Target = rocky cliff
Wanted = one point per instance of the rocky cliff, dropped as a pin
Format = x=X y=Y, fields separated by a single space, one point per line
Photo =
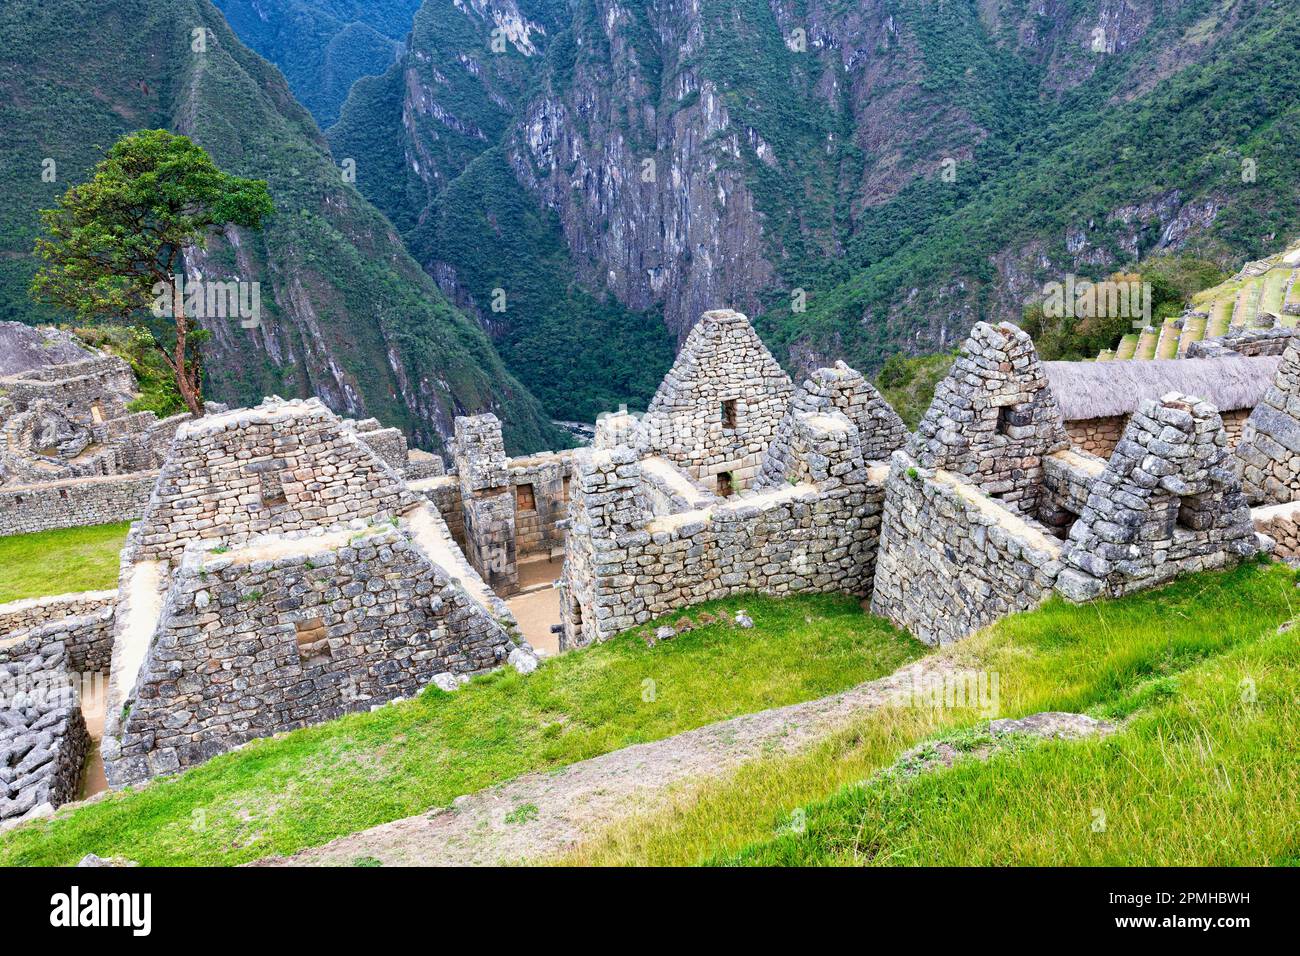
x=867 y=176
x=346 y=313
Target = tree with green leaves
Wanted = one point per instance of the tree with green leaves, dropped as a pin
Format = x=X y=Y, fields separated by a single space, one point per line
x=114 y=244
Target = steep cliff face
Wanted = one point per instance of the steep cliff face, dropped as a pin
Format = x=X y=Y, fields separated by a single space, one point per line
x=346 y=313
x=866 y=177
x=323 y=46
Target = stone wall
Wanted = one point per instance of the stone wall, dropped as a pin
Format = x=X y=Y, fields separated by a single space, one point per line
x=278 y=468
x=1167 y=503
x=720 y=405
x=89 y=391
x=844 y=390
x=1099 y=436
x=74 y=503
x=290 y=632
x=540 y=486
x=1282 y=524
x=993 y=418
x=952 y=559
x=625 y=565
x=83 y=622
x=487 y=501
x=43 y=738
x=1267 y=457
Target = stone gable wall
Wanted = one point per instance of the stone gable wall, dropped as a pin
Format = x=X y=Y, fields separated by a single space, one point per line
x=1167 y=503
x=1267 y=456
x=278 y=468
x=722 y=360
x=993 y=418
x=846 y=391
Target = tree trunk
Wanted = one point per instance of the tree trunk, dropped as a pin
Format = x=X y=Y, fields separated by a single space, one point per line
x=187 y=379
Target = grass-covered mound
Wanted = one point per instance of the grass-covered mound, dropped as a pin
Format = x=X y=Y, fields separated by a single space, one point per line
x=1202 y=771
x=302 y=789
x=60 y=561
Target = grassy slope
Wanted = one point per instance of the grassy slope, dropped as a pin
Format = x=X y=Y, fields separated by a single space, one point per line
x=1198 y=775
x=304 y=788
x=58 y=562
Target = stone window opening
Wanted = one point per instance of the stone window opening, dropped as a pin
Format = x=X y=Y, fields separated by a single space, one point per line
x=726 y=487
x=729 y=414
x=525 y=497
x=1189 y=515
x=272 y=490
x=313 y=644
x=1012 y=417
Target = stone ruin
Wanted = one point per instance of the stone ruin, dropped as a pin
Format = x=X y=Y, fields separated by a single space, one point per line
x=720 y=405
x=286 y=571
x=282 y=574
x=988 y=511
x=648 y=531
x=1167 y=503
x=1268 y=454
x=72 y=421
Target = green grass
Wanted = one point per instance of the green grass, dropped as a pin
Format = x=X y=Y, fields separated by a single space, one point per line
x=1199 y=774
x=57 y=562
x=305 y=788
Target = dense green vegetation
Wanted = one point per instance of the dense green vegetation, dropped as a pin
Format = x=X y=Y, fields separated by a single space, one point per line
x=578 y=354
x=60 y=561
x=1201 y=772
x=343 y=306
x=1069 y=163
x=323 y=46
x=307 y=787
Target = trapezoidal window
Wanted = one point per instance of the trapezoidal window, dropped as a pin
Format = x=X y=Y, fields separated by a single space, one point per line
x=726 y=488
x=525 y=498
x=1013 y=416
x=729 y=414
x=271 y=490
x=313 y=645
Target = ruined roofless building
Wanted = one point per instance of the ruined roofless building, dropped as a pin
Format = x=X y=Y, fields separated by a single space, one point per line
x=647 y=533
x=282 y=574
x=719 y=406
x=988 y=511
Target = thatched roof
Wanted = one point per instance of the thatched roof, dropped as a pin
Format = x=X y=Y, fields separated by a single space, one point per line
x=1102 y=389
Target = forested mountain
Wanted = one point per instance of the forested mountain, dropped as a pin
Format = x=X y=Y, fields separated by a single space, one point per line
x=347 y=314
x=323 y=46
x=910 y=165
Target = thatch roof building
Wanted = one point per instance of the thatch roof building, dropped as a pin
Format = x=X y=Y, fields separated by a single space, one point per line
x=1089 y=390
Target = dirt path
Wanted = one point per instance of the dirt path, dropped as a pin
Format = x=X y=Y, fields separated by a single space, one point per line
x=543 y=814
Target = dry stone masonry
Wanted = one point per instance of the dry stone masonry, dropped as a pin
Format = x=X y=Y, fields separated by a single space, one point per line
x=288 y=566
x=1268 y=454
x=720 y=405
x=1166 y=503
x=282 y=574
x=978 y=503
x=43 y=738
